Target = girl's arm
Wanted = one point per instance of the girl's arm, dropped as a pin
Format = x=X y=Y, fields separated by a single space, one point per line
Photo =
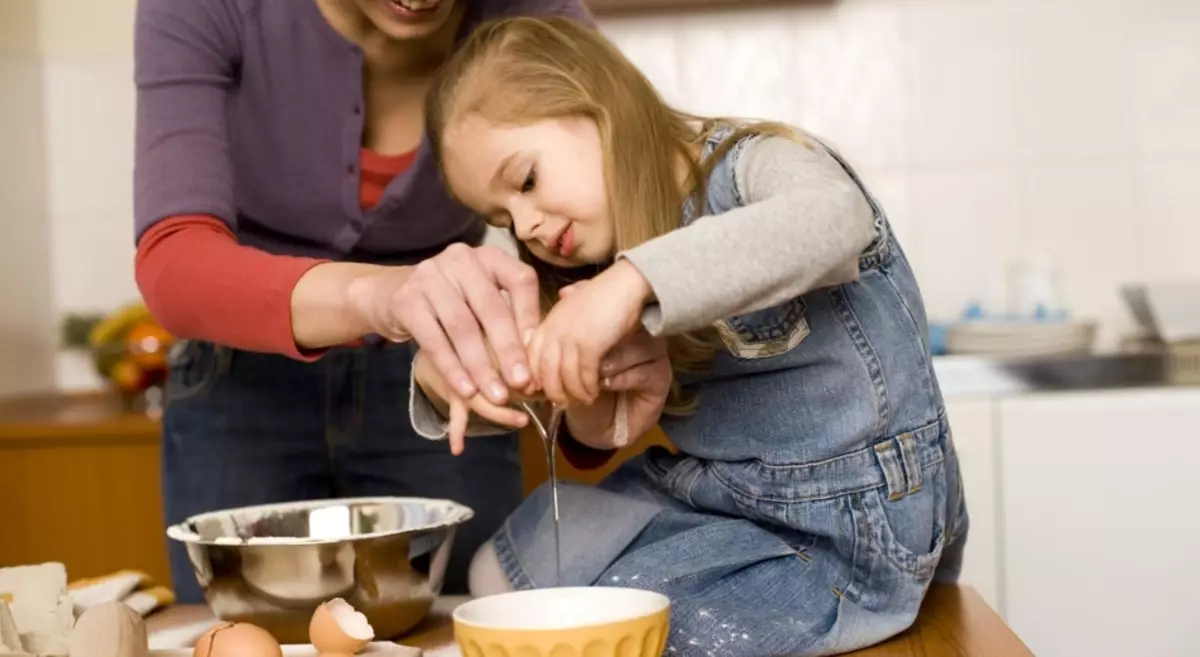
x=803 y=226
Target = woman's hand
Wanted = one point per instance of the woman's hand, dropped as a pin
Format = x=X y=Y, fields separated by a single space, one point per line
x=453 y=305
x=589 y=321
x=458 y=409
x=637 y=367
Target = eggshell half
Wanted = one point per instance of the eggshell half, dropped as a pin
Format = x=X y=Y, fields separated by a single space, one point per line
x=336 y=627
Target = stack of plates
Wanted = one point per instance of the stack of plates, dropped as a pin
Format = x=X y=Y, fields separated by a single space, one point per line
x=999 y=338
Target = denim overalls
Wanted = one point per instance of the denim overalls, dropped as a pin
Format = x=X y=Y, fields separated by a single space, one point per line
x=816 y=493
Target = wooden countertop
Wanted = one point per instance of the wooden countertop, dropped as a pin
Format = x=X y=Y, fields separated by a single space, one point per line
x=955 y=622
x=73 y=417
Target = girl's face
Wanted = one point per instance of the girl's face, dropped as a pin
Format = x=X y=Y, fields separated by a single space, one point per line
x=543 y=180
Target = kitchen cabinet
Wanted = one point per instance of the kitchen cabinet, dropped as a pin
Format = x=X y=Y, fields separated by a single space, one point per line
x=972 y=425
x=80 y=481
x=79 y=484
x=1100 y=531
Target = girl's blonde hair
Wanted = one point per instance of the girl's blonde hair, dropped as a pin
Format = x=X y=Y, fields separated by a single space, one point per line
x=522 y=70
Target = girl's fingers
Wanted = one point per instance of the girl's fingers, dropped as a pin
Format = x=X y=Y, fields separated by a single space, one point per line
x=458 y=426
x=639 y=377
x=589 y=372
x=550 y=373
x=502 y=415
x=627 y=355
x=572 y=381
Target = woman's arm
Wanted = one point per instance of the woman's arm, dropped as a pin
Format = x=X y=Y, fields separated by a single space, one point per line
x=205 y=285
x=804 y=224
x=185 y=54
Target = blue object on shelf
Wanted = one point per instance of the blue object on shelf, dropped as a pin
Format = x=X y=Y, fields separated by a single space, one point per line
x=937 y=339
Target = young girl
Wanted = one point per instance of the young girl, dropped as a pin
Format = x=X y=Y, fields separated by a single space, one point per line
x=816 y=490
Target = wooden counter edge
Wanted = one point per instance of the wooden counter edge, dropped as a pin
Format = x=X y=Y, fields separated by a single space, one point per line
x=955 y=621
x=73 y=417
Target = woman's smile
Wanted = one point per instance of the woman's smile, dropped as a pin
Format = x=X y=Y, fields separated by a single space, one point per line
x=413 y=10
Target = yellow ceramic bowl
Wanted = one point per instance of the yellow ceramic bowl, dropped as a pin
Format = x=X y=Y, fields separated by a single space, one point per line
x=565 y=622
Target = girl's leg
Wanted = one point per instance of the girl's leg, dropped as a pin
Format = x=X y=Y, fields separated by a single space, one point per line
x=738 y=587
x=486 y=576
x=239 y=429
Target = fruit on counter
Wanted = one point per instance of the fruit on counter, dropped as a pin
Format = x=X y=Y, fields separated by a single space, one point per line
x=115 y=326
x=127 y=375
x=147 y=344
x=127 y=347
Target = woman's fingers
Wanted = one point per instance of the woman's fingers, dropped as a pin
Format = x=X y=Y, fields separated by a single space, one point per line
x=454 y=307
x=519 y=280
x=425 y=330
x=482 y=289
x=467 y=337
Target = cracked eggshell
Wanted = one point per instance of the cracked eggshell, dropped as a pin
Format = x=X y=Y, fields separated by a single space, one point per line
x=337 y=628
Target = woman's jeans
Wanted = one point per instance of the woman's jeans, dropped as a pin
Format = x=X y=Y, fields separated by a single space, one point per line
x=243 y=428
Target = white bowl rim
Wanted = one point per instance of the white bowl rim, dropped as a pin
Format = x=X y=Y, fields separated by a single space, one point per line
x=460 y=513
x=658 y=601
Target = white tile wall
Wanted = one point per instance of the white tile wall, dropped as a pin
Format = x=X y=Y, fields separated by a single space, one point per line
x=990 y=129
x=27 y=309
x=90 y=111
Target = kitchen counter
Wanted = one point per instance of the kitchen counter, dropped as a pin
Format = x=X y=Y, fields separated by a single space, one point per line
x=73 y=418
x=52 y=444
x=955 y=622
x=978 y=375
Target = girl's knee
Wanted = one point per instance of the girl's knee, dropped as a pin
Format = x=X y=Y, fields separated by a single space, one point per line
x=485 y=576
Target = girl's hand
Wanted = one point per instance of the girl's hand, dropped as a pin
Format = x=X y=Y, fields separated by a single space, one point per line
x=588 y=321
x=639 y=369
x=457 y=409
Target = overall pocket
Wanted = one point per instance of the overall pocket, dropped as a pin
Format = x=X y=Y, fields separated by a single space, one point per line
x=193 y=369
x=767 y=332
x=907 y=528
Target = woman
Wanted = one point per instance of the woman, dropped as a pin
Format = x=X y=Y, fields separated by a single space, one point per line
x=287 y=207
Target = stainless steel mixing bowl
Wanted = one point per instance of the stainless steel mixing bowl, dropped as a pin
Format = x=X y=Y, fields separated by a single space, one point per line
x=272 y=565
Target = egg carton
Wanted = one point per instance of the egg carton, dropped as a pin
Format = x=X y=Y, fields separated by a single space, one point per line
x=36 y=613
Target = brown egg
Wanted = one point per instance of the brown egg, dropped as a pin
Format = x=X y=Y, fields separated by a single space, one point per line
x=337 y=628
x=237 y=640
